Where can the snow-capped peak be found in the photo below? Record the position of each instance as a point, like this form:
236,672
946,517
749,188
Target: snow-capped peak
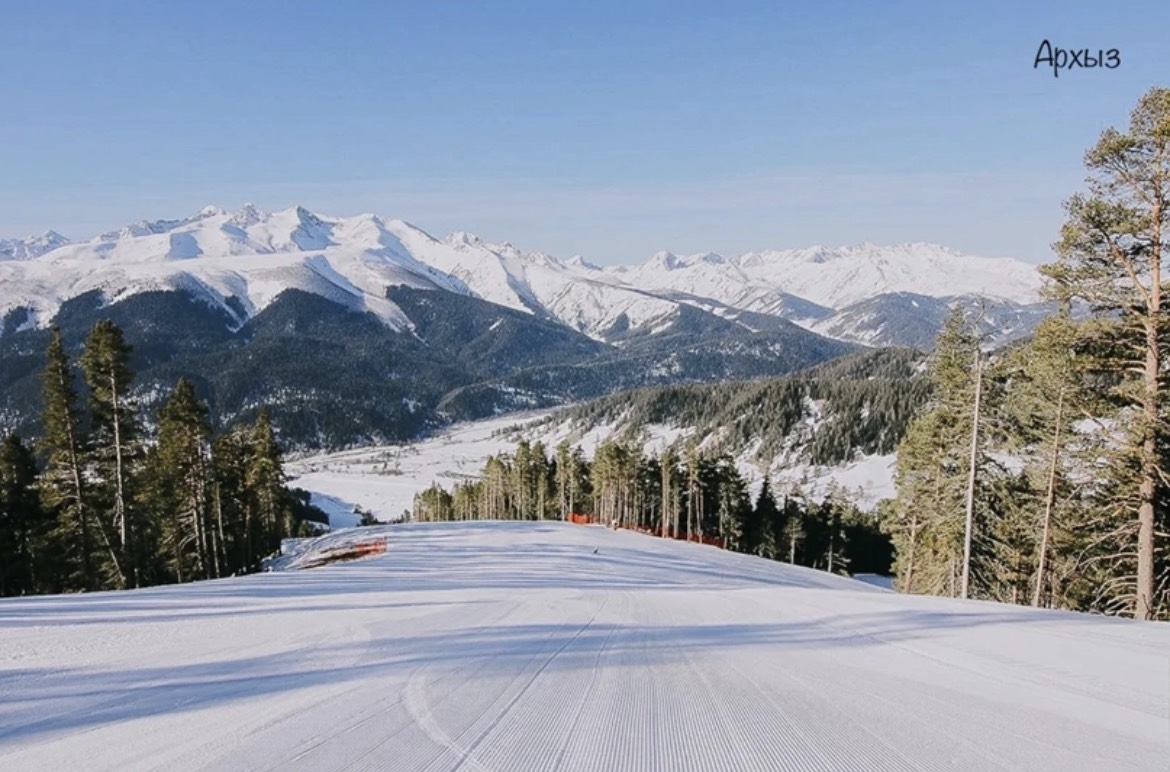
247,215
464,239
841,276
254,255
33,246
664,260
577,261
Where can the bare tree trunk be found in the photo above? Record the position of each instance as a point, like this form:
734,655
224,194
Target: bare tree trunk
119,490
200,542
83,515
970,518
219,523
665,513
909,588
1049,501
1149,473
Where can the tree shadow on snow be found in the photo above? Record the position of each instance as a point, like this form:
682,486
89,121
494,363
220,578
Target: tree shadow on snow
91,699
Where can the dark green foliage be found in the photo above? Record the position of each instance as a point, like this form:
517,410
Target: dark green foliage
114,508
115,448
177,480
865,402
24,524
63,486
1070,494
767,524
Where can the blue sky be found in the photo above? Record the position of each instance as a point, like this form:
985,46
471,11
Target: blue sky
607,129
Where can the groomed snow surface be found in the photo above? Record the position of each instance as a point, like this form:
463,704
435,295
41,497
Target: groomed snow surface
548,646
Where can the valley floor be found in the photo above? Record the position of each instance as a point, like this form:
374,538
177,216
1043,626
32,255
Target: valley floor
384,478
546,646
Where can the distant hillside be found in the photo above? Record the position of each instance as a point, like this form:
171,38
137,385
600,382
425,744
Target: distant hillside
826,415
336,376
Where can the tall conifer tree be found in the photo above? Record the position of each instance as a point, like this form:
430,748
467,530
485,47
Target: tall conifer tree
1112,254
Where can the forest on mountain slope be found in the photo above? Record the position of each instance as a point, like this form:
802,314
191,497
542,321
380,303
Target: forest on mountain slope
335,377
824,415
102,500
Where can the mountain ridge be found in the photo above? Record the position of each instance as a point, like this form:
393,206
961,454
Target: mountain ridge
251,254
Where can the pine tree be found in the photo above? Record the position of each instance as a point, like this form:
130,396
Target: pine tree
264,480
836,511
243,540
23,523
63,488
1046,396
180,478
540,472
932,470
789,541
766,518
670,493
733,505
1110,255
564,476
106,365
495,496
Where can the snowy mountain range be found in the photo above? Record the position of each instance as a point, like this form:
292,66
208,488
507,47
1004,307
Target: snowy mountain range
241,261
362,329
34,246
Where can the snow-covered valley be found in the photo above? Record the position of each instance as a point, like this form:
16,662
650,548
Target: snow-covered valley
548,646
384,479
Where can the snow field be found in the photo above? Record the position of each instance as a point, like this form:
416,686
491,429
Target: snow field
384,479
513,646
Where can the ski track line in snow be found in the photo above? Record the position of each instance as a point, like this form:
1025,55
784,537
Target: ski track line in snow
696,740
414,689
308,757
466,752
241,689
814,695
369,758
791,742
539,718
370,713
620,704
588,694
483,711
734,720
857,755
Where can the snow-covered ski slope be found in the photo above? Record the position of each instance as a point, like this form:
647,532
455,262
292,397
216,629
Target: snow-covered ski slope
547,646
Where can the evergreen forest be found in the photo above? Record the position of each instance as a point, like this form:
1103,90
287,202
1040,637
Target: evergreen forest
109,498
